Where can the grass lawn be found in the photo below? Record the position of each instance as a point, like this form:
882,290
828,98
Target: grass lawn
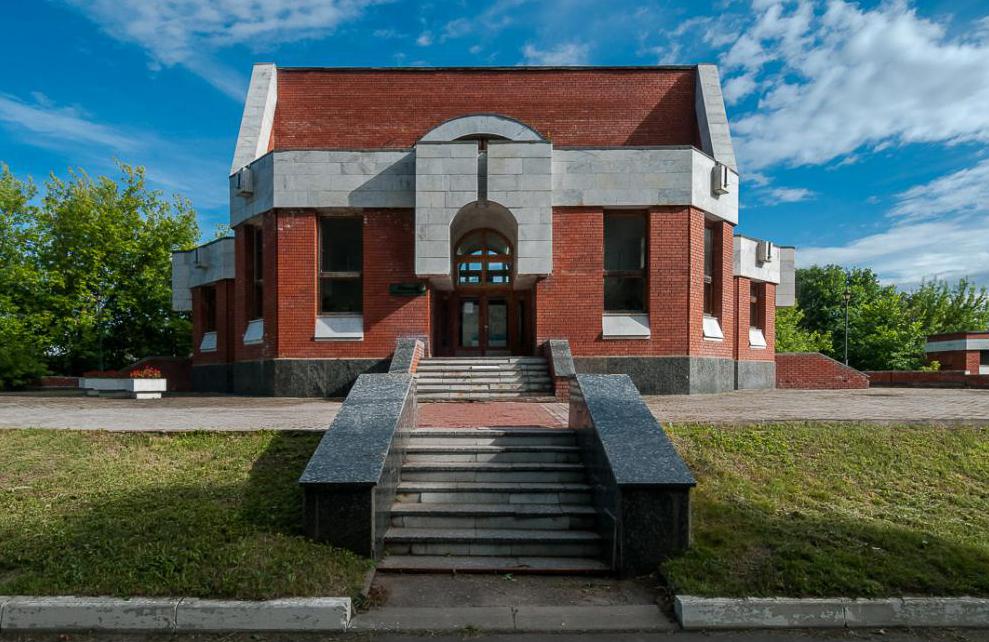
842,509
201,514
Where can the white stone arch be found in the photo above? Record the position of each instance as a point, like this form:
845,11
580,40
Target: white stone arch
481,125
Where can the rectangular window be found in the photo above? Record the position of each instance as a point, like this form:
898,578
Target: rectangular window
256,250
712,271
624,262
209,308
756,298
984,358
341,262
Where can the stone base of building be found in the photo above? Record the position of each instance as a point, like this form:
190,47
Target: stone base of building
284,377
755,375
678,375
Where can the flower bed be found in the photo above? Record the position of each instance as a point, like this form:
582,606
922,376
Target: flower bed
146,383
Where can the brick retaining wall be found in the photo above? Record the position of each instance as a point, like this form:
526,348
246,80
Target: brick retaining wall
815,371
922,379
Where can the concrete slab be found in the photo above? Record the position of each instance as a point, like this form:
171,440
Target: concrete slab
558,619
87,614
483,618
292,614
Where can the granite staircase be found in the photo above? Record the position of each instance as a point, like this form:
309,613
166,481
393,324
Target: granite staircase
513,500
482,379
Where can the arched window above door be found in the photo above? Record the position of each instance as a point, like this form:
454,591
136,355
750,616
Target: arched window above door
483,259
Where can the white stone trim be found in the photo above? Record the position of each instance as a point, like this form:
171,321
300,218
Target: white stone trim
630,325
712,329
983,370
254,333
481,124
957,345
208,344
339,327
747,263
757,339
712,119
208,263
259,116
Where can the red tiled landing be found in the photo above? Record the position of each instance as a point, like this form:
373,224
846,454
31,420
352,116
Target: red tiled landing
492,414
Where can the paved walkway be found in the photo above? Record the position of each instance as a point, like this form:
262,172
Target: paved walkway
231,413
879,405
171,414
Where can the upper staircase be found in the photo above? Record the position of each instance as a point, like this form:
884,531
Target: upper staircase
482,378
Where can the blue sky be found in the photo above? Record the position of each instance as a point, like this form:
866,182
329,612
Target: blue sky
862,129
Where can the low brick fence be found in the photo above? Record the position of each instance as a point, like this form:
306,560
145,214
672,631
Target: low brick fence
924,379
176,370
56,383
815,371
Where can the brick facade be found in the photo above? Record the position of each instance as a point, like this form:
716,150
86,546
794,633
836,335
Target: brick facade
357,109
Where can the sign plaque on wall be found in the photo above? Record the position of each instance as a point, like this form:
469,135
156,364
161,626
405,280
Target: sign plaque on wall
407,289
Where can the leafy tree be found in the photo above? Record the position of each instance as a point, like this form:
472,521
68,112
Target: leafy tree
90,269
943,308
791,336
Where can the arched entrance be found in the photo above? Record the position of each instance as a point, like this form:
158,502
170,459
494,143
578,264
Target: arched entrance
484,315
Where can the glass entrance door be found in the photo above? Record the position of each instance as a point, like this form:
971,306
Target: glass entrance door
483,325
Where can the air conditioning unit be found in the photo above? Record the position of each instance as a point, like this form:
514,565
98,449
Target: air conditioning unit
719,179
766,252
244,181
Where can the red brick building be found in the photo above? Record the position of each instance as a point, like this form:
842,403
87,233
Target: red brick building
486,210
967,352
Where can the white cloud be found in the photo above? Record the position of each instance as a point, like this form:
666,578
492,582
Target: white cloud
788,195
187,32
176,165
940,229
425,39
836,78
571,53
457,28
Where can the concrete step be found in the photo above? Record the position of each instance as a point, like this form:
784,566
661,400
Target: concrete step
481,387
484,360
442,492
486,396
477,437
493,472
504,454
508,377
491,564
487,516
492,542
479,368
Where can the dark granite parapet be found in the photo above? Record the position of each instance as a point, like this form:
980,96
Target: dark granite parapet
351,479
405,354
641,485
560,358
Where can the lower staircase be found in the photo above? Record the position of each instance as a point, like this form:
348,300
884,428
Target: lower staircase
482,378
513,500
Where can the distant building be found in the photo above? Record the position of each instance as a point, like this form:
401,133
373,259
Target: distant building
966,351
486,210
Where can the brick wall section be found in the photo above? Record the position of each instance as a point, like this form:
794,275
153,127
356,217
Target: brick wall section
570,302
743,351
919,379
389,246
340,109
698,344
956,360
225,334
242,289
815,371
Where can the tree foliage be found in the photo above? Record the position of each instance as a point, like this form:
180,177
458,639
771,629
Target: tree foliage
887,328
791,336
87,270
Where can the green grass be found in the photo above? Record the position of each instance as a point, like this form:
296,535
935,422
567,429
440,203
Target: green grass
836,509
219,515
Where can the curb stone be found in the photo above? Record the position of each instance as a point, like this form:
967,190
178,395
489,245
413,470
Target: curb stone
775,613
70,613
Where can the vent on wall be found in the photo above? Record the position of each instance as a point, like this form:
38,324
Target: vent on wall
719,179
245,181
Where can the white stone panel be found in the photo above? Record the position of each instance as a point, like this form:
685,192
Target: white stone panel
712,329
255,332
445,181
625,326
207,263
481,124
786,291
259,116
340,327
208,344
712,119
955,345
520,179
747,263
